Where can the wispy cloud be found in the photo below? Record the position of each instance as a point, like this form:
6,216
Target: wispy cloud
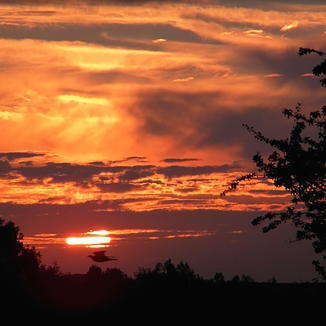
159,40
254,32
308,74
183,80
290,26
178,160
272,75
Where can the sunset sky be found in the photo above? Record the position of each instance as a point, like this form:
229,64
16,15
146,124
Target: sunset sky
127,116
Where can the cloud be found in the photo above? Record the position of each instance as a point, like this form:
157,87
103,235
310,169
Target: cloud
99,173
130,175
272,75
179,160
5,168
100,91
290,26
159,40
7,115
152,186
307,75
179,171
254,32
257,33
102,2
81,99
118,187
183,80
129,159
13,156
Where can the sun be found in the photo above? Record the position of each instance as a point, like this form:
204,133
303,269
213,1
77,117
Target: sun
90,238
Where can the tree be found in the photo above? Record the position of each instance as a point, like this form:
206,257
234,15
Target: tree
298,164
181,273
16,260
219,277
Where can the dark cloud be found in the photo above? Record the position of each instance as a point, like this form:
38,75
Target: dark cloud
115,76
50,200
42,217
108,178
79,173
60,32
180,171
188,202
261,61
203,120
11,156
272,192
265,4
136,158
113,35
130,175
228,3
179,160
119,187
4,168
97,163
61,172
101,2
187,190
249,200
130,159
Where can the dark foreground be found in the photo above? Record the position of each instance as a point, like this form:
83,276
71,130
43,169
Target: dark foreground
158,297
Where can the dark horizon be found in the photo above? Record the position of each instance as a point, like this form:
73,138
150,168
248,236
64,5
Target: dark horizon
126,116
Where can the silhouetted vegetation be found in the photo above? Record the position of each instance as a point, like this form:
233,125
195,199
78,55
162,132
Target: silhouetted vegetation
31,291
298,163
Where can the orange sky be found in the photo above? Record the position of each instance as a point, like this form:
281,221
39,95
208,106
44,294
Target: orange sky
139,107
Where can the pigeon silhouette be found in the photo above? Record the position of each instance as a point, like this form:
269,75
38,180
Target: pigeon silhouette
99,257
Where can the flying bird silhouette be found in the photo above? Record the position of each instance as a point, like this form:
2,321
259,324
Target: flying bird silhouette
99,257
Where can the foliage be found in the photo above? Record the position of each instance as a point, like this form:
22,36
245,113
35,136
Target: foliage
319,69
16,260
298,164
181,273
219,277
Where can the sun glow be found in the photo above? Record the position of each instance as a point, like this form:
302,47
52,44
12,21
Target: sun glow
91,238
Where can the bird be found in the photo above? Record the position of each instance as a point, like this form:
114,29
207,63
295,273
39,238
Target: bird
99,257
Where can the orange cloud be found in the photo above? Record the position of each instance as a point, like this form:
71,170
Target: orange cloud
159,40
107,94
290,26
182,80
272,75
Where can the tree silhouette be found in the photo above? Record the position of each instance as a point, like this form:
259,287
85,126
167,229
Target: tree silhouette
298,164
181,273
16,260
219,277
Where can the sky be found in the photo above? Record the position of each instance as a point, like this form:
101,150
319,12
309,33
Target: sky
127,116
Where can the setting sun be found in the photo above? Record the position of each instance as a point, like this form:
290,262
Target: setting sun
97,238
